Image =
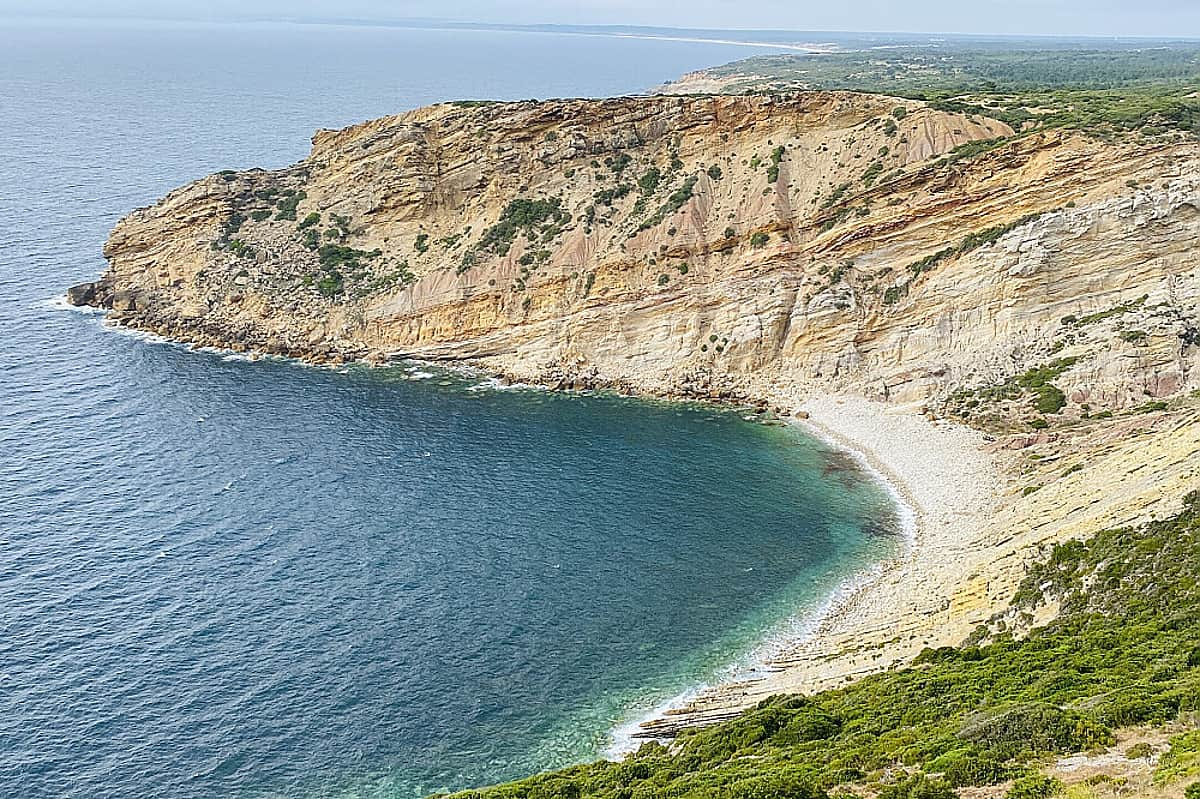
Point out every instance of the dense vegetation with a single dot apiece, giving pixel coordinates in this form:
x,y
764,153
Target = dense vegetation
x,y
1096,88
958,68
1124,650
534,218
1036,383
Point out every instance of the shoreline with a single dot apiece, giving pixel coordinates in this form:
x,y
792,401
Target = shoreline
x,y
813,415
854,632
973,536
627,736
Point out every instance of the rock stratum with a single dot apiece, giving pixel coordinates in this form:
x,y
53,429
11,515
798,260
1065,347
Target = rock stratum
x,y
517,236
1041,288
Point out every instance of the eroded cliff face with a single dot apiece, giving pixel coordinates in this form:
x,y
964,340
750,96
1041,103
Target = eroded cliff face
x,y
1040,287
732,246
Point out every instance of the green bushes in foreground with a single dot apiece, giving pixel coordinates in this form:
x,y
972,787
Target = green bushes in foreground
x,y
1120,653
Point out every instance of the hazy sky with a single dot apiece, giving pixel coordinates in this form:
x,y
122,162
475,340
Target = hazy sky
x,y
1099,17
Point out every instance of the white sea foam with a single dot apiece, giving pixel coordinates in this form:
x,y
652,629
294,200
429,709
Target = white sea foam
x,y
140,335
60,303
497,384
623,739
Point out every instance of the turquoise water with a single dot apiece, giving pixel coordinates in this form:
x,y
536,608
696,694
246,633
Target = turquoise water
x,y
232,578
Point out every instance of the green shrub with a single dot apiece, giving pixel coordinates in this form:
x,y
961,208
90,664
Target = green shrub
x,y
1033,729
649,180
759,240
1139,751
676,200
872,172
607,197
917,786
963,767
532,217
1034,786
784,784
899,112
312,219
617,164
1192,791
331,284
1050,399
1181,760
714,172
288,203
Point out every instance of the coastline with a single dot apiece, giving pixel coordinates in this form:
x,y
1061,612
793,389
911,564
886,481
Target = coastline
x,y
849,634
973,532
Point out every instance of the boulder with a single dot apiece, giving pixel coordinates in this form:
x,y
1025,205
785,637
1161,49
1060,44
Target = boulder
x,y
83,294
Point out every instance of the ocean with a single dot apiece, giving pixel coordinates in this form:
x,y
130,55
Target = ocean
x,y
235,578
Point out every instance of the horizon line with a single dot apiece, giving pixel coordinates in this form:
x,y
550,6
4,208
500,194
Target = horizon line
x,y
586,28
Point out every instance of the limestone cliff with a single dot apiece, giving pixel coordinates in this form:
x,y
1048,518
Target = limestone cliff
x,y
1041,287
719,245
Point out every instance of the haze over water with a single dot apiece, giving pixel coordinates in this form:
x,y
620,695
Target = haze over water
x,y
223,578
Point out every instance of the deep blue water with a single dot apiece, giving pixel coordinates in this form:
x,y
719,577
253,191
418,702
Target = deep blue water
x,y
224,578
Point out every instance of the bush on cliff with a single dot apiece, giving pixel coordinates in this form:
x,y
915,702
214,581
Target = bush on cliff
x,y
533,217
1034,786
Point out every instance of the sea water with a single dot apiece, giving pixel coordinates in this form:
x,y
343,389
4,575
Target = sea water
x,y
224,577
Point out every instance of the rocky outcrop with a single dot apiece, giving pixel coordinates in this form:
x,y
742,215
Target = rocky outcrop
x,y
716,246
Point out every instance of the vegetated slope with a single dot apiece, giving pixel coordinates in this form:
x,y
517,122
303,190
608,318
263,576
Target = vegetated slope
x,y
1124,650
1099,88
951,68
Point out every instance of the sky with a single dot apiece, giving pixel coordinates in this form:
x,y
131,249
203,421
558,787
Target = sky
x,y
1172,18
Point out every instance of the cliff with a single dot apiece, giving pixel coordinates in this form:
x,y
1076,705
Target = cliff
x,y
1040,287
683,245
